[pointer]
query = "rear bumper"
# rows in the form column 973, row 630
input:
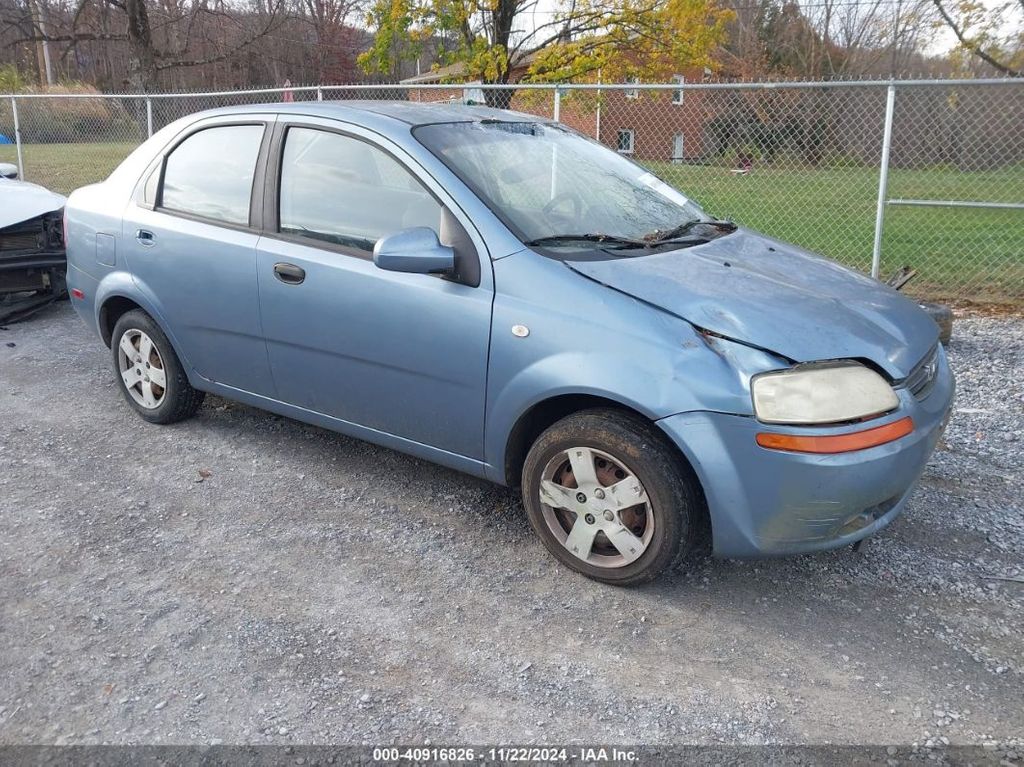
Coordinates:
column 766, row 502
column 85, row 306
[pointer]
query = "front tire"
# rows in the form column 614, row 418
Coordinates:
column 609, row 497
column 150, row 375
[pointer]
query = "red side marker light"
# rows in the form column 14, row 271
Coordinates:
column 76, row 293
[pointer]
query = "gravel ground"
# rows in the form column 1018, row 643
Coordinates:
column 313, row 588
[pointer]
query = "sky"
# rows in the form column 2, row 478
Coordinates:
column 942, row 41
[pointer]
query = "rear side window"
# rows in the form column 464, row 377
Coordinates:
column 210, row 173
column 343, row 191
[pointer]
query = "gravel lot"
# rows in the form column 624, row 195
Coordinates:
column 314, row 588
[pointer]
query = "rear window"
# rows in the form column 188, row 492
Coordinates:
column 210, row 173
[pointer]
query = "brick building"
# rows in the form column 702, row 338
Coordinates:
column 664, row 125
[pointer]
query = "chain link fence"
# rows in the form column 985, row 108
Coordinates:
column 876, row 175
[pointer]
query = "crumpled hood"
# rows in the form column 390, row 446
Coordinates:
column 769, row 294
column 21, row 201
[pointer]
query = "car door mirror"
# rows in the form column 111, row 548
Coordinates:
column 415, row 250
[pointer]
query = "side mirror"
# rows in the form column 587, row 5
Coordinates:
column 415, row 250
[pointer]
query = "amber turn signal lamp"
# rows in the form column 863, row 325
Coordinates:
column 837, row 443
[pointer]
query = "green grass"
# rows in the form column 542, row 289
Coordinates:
column 64, row 167
column 967, row 254
column 960, row 253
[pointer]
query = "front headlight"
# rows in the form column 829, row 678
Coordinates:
column 820, row 393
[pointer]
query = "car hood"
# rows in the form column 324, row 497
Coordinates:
column 778, row 297
column 21, row 201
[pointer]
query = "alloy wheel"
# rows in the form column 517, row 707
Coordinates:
column 142, row 369
column 596, row 507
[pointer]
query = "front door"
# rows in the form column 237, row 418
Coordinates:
column 404, row 354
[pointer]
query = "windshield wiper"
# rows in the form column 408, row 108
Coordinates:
column 605, row 239
column 656, row 237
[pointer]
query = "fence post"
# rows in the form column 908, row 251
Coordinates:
column 149, row 117
column 17, row 138
column 319, row 93
column 558, row 103
column 883, row 181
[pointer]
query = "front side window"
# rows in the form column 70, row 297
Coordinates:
column 344, row 191
column 544, row 180
column 210, row 173
column 632, row 93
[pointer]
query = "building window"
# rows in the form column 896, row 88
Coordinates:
column 678, row 148
column 677, row 95
column 632, row 93
column 624, row 141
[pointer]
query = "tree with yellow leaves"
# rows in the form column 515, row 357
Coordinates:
column 567, row 40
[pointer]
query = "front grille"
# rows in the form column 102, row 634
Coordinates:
column 922, row 377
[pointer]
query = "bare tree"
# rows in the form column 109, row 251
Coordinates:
column 186, row 35
column 330, row 22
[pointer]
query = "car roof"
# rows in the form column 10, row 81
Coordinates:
column 410, row 112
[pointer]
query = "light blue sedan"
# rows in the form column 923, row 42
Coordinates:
column 498, row 294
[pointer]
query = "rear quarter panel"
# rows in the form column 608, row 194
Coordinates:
column 93, row 224
column 94, row 217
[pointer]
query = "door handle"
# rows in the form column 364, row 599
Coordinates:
column 145, row 237
column 289, row 274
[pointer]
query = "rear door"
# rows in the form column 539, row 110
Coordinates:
column 191, row 245
column 405, row 354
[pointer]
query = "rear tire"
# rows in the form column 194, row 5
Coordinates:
column 640, row 507
column 149, row 373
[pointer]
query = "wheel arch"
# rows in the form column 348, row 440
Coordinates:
column 117, row 298
column 110, row 311
column 538, row 417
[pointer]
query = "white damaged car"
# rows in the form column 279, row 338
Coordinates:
column 32, row 259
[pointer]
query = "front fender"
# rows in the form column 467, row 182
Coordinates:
column 585, row 338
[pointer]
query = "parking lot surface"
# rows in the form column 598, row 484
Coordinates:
column 241, row 577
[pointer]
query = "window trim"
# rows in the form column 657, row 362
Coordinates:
column 631, row 132
column 254, row 221
column 632, row 93
column 270, row 204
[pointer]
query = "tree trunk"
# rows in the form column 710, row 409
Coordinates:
column 142, row 71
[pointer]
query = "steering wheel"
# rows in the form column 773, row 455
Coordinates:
column 555, row 211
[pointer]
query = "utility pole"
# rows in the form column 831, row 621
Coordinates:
column 37, row 11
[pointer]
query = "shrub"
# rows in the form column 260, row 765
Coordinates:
column 68, row 120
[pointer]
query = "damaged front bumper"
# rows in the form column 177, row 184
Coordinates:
column 766, row 502
column 33, row 264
